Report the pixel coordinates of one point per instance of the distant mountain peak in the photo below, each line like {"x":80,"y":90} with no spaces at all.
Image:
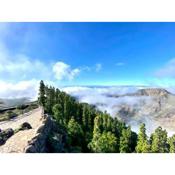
{"x":153,"y":92}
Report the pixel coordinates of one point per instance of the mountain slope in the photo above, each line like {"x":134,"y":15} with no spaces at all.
{"x":154,"y":107}
{"x":6,"y":103}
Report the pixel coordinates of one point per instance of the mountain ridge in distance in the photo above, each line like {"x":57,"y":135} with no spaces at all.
{"x":11,"y":102}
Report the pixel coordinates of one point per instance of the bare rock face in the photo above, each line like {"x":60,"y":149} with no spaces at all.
{"x":38,"y":143}
{"x":153,"y":92}
{"x":154,"y":107}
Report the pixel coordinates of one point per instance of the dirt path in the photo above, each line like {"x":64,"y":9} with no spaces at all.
{"x":19,"y":141}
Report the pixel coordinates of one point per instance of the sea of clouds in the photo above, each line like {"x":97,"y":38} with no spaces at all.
{"x":105,"y":100}
{"x":104,"y":97}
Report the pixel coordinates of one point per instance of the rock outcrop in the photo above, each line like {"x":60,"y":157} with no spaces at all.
{"x":25,"y":126}
{"x":38,"y":143}
{"x":5,"y":135}
{"x":31,"y":133}
{"x":152,"y":106}
{"x":158,"y":92}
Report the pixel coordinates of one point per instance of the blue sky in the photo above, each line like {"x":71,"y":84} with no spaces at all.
{"x":88,"y":53}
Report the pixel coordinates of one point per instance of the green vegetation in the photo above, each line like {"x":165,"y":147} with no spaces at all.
{"x":143,"y":145}
{"x":80,"y":127}
{"x":159,"y":141}
{"x":9,"y":115}
{"x":12,"y":113}
{"x":171,"y":142}
{"x":126,"y":141}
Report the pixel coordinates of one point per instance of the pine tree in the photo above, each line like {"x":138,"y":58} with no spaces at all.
{"x":104,"y":143}
{"x":159,"y":141}
{"x":171,"y":142}
{"x":57,"y":113}
{"x":117,"y":127}
{"x":126,"y":141}
{"x":85,"y":117}
{"x":67,"y":108}
{"x":75,"y":132}
{"x":42,"y":98}
{"x":142,"y":143}
{"x":52,"y":97}
{"x":48,"y":100}
{"x":57,"y":96}
{"x":133,"y":141}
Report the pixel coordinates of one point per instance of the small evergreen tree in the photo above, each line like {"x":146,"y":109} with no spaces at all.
{"x":57,"y":113}
{"x":159,"y":141}
{"x":126,"y":141}
{"x":171,"y":142}
{"x":142,"y":143}
{"x":42,"y":98}
{"x":75,"y":132}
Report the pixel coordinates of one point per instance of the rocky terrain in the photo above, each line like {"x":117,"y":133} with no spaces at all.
{"x":31,"y":139}
{"x":153,"y":106}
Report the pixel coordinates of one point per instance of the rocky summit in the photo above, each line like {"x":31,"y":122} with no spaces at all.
{"x":159,"y":92}
{"x":153,"y":106}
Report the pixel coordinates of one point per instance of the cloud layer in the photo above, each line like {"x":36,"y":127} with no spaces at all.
{"x":21,"y":89}
{"x":102,"y":96}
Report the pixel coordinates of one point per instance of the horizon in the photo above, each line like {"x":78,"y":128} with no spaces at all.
{"x":77,"y":90}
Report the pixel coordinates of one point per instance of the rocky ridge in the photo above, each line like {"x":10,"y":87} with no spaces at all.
{"x":154,"y":107}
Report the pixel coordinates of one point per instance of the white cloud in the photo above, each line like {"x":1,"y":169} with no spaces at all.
{"x":22,"y":67}
{"x":120,"y":64}
{"x":168,"y":70}
{"x":64,"y":71}
{"x":20,"y":89}
{"x":102,"y":96}
{"x":109,"y":90}
{"x":86,"y":68}
{"x":98,"y":67}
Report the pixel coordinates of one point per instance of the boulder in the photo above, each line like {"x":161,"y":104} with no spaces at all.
{"x":1,"y":141}
{"x":8,"y":133}
{"x":25,"y":126}
{"x":5,"y":134}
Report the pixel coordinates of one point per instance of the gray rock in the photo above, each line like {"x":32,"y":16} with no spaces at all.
{"x":8,"y":132}
{"x":4,"y":135}
{"x":25,"y":126}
